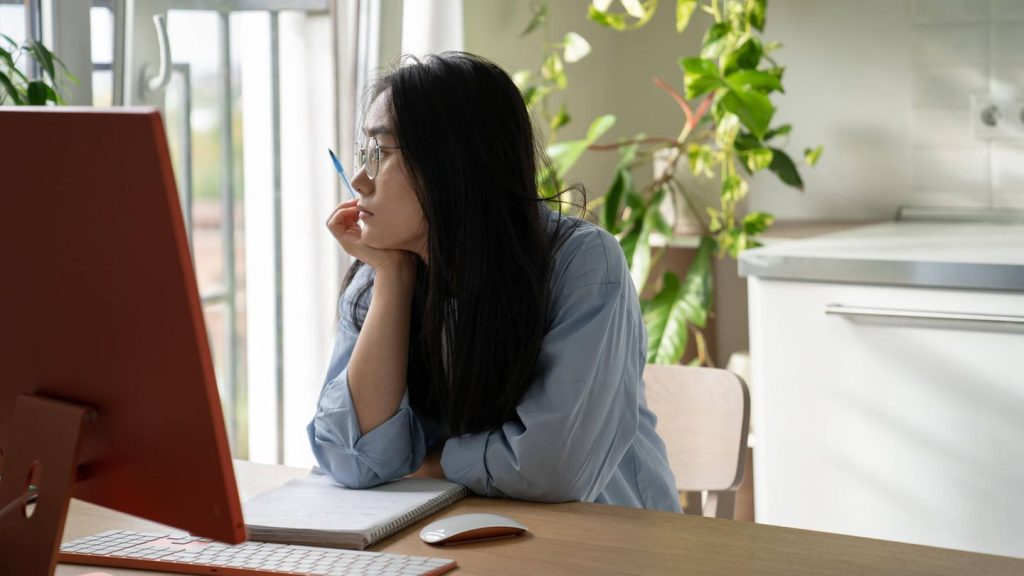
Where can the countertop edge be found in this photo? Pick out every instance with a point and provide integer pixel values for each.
(966, 275)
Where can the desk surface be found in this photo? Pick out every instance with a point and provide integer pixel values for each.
(582, 538)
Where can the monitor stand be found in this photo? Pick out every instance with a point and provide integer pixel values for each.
(42, 449)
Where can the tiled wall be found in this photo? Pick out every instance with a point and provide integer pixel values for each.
(886, 86)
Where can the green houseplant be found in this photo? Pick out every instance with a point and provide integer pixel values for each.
(16, 88)
(726, 134)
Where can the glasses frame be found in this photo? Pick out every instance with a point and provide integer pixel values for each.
(363, 152)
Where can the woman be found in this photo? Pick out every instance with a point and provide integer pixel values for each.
(482, 337)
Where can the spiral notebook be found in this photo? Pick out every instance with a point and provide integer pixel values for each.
(316, 511)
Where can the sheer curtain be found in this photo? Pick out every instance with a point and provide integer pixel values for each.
(430, 26)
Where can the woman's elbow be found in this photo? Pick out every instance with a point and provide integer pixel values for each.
(349, 471)
(345, 467)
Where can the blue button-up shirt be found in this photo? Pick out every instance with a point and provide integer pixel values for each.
(583, 430)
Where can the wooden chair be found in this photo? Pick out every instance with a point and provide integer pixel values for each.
(703, 417)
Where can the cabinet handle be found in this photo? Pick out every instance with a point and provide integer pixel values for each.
(842, 310)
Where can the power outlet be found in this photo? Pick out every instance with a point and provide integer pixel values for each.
(997, 118)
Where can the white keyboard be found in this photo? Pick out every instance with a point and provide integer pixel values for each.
(193, 555)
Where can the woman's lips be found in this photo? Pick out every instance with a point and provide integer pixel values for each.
(364, 213)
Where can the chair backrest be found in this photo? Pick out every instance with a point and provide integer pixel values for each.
(703, 417)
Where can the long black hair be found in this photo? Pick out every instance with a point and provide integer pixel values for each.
(480, 309)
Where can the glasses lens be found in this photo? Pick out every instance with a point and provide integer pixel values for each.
(372, 158)
(360, 157)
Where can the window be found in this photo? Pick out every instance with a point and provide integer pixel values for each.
(255, 97)
(12, 19)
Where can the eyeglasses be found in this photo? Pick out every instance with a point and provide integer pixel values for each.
(368, 156)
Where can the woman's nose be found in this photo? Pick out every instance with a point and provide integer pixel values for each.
(362, 184)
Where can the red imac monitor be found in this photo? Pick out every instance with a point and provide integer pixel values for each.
(107, 389)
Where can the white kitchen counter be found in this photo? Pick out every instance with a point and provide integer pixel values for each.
(887, 393)
(930, 254)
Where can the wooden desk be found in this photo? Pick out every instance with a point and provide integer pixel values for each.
(580, 538)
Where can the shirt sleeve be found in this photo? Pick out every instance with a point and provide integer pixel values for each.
(393, 449)
(581, 413)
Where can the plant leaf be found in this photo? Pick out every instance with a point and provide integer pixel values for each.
(747, 141)
(540, 15)
(560, 119)
(565, 154)
(678, 304)
(746, 56)
(640, 267)
(576, 47)
(599, 126)
(727, 130)
(608, 218)
(6, 58)
(621, 189)
(753, 108)
(780, 131)
(606, 19)
(667, 334)
(755, 13)
(785, 169)
(634, 8)
(700, 157)
(548, 184)
(9, 88)
(699, 76)
(661, 225)
(553, 70)
(753, 79)
(684, 10)
(38, 93)
(534, 93)
(716, 40)
(758, 159)
(634, 228)
(734, 189)
(699, 284)
(43, 57)
(757, 222)
(811, 155)
(521, 78)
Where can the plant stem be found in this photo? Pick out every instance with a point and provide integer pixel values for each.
(651, 140)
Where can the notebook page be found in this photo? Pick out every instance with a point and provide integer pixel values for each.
(317, 503)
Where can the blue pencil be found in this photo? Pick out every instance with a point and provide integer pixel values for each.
(344, 178)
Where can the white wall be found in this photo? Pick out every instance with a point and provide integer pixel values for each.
(884, 85)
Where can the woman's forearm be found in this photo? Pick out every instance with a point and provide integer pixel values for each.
(377, 370)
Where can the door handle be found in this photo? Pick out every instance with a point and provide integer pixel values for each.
(156, 83)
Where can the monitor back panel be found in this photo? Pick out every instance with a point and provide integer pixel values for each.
(99, 306)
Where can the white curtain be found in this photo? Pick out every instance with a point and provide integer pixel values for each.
(431, 26)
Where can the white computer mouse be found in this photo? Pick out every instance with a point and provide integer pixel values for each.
(470, 528)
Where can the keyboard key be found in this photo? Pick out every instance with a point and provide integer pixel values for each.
(194, 555)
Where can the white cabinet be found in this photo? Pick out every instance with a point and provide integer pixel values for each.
(895, 428)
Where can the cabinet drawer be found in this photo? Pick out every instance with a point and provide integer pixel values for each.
(890, 412)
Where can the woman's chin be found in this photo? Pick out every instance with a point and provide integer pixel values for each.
(375, 241)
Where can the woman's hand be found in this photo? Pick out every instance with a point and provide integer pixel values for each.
(344, 226)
